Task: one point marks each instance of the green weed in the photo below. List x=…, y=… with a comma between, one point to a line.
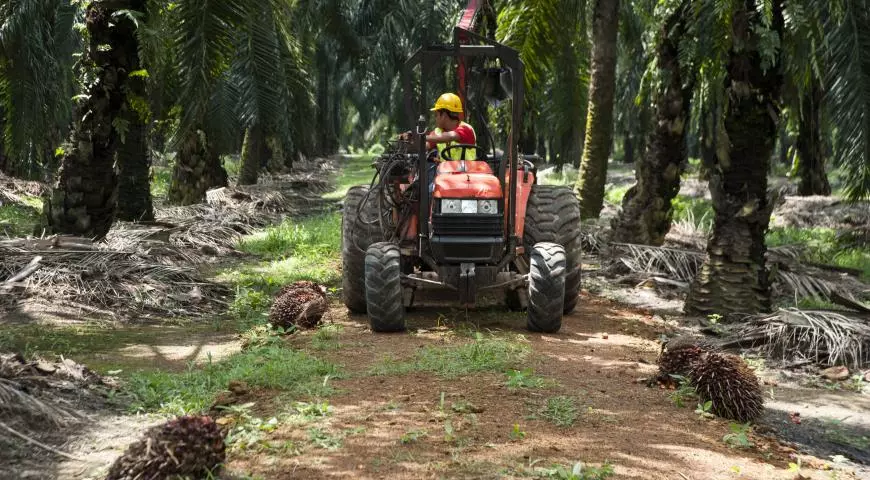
x=739, y=436
x=614, y=195
x=412, y=436
x=517, y=433
x=524, y=378
x=560, y=411
x=326, y=337
x=266, y=367
x=161, y=177
x=684, y=393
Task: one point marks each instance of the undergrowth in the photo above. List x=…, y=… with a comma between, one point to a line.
x=486, y=353
x=19, y=220
x=271, y=366
x=822, y=245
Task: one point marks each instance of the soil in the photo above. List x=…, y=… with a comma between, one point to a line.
x=600, y=357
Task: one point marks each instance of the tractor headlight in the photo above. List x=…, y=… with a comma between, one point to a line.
x=469, y=206
x=450, y=205
x=487, y=206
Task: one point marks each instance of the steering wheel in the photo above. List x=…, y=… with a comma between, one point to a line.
x=464, y=147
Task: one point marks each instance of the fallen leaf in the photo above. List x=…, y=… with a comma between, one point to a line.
x=835, y=373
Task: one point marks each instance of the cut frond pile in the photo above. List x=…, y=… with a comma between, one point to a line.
x=75, y=271
x=825, y=337
x=681, y=265
x=35, y=392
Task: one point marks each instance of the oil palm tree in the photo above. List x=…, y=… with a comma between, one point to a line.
x=599, y=121
x=646, y=208
x=84, y=199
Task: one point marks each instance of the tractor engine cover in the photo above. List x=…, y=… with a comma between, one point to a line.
x=475, y=236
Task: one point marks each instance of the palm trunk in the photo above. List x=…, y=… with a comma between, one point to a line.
x=646, y=209
x=134, y=163
x=599, y=129
x=628, y=149
x=734, y=278
x=4, y=161
x=197, y=170
x=254, y=154
x=84, y=200
x=811, y=161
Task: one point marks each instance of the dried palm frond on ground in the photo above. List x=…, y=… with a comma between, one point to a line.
x=42, y=393
x=676, y=264
x=825, y=337
x=189, y=446
x=727, y=382
x=74, y=270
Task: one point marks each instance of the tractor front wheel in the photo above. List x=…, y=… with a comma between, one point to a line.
x=383, y=280
x=546, y=287
x=359, y=229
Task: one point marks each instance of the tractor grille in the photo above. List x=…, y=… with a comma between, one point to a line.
x=467, y=225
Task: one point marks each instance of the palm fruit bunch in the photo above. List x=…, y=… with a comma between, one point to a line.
x=299, y=305
x=729, y=384
x=189, y=446
x=678, y=355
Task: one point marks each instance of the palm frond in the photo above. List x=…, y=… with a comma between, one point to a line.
x=204, y=32
x=825, y=337
x=673, y=263
x=37, y=40
x=848, y=67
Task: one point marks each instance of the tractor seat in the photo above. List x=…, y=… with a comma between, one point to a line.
x=463, y=166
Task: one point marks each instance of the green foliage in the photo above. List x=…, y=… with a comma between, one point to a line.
x=685, y=392
x=194, y=390
x=486, y=353
x=739, y=436
x=325, y=337
x=614, y=195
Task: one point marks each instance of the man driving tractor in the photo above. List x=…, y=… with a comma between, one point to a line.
x=449, y=127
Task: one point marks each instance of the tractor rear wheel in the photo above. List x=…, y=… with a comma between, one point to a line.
x=553, y=215
x=383, y=280
x=546, y=287
x=359, y=229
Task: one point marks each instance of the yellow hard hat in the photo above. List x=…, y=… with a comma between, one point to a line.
x=450, y=102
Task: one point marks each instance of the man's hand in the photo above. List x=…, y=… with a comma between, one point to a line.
x=406, y=137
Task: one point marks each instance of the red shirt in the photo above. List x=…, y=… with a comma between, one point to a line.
x=465, y=132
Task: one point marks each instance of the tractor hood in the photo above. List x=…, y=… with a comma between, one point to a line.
x=466, y=179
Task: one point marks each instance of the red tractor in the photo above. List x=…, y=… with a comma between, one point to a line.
x=486, y=225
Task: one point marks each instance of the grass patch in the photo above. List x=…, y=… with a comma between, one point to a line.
x=692, y=209
x=560, y=411
x=326, y=337
x=318, y=237
x=19, y=220
x=486, y=353
x=614, y=195
x=525, y=378
x=194, y=390
x=821, y=245
x=355, y=170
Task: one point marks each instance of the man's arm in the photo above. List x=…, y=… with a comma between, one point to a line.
x=444, y=137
